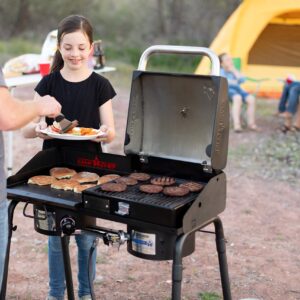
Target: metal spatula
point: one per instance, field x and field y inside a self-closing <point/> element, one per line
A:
<point x="65" y="124"/>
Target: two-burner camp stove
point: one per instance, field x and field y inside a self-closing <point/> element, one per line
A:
<point x="177" y="126"/>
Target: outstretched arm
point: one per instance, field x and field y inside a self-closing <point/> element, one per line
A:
<point x="15" y="113"/>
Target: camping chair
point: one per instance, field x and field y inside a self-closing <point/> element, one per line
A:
<point x="237" y="63"/>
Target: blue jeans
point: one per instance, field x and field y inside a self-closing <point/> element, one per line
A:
<point x="3" y="235"/>
<point x="288" y="100"/>
<point x="56" y="266"/>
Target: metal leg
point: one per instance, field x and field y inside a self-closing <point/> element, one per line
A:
<point x="177" y="267"/>
<point x="67" y="266"/>
<point x="11" y="228"/>
<point x="221" y="248"/>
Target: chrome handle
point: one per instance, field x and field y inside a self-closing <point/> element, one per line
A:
<point x="170" y="49"/>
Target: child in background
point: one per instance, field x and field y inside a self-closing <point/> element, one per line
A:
<point x="237" y="95"/>
<point x="86" y="97"/>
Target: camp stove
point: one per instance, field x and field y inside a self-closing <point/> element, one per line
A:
<point x="177" y="126"/>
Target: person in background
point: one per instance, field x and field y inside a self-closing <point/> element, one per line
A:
<point x="84" y="96"/>
<point x="288" y="106"/>
<point x="237" y="95"/>
<point x="14" y="114"/>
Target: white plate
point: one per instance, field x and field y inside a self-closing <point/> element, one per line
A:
<point x="68" y="136"/>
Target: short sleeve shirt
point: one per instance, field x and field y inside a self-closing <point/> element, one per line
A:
<point x="79" y="100"/>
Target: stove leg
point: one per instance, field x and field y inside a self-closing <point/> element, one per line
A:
<point x="221" y="248"/>
<point x="10" y="214"/>
<point x="67" y="266"/>
<point x="177" y="267"/>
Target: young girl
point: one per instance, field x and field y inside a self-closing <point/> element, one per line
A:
<point x="237" y="95"/>
<point x="86" y="97"/>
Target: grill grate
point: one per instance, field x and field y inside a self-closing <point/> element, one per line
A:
<point x="133" y="194"/>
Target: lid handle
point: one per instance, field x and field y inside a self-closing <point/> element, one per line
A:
<point x="170" y="49"/>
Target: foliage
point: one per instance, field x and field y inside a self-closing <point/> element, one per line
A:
<point x="209" y="296"/>
<point x="123" y="22"/>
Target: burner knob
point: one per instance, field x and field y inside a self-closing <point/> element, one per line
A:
<point x="67" y="225"/>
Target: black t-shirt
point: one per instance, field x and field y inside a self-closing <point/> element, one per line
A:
<point x="79" y="100"/>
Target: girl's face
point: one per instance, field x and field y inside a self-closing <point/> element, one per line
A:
<point x="226" y="62"/>
<point x="75" y="49"/>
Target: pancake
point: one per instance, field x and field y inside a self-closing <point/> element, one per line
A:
<point x="41" y="180"/>
<point x="81" y="187"/>
<point x="107" y="178"/>
<point x="64" y="184"/>
<point x="62" y="173"/>
<point x="86" y="177"/>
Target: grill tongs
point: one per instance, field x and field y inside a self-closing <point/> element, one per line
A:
<point x="65" y="124"/>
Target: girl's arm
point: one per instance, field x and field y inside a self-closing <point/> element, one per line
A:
<point x="107" y="121"/>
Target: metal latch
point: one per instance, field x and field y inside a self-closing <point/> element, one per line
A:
<point x="143" y="158"/>
<point x="206" y="167"/>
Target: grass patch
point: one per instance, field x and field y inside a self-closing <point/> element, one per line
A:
<point x="209" y="296"/>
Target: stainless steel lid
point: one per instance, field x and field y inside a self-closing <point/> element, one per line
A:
<point x="182" y="117"/>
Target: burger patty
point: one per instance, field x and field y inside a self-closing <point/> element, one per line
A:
<point x="62" y="173"/>
<point x="113" y="187"/>
<point x="163" y="181"/>
<point x="107" y="178"/>
<point x="151" y="188"/>
<point x="86" y="177"/>
<point x="140" y="176"/>
<point x="192" y="186"/>
<point x="126" y="180"/>
<point x="175" y="191"/>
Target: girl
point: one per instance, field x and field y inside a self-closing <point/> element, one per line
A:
<point x="86" y="97"/>
<point x="237" y="95"/>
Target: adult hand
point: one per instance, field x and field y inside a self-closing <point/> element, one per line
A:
<point x="48" y="106"/>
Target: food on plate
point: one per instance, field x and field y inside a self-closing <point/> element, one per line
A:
<point x="80" y="131"/>
<point x="151" y="188"/>
<point x="86" y="177"/>
<point x="140" y="176"/>
<point x="163" y="180"/>
<point x="175" y="191"/>
<point x="192" y="186"/>
<point x="113" y="187"/>
<point x="64" y="184"/>
<point x="108" y="178"/>
<point x="62" y="173"/>
<point x="126" y="180"/>
<point x="41" y="180"/>
<point x="81" y="187"/>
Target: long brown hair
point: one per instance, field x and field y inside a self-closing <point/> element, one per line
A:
<point x="70" y="24"/>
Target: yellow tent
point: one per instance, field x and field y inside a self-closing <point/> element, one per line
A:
<point x="263" y="36"/>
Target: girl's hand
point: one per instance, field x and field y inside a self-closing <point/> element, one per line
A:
<point x="103" y="133"/>
<point x="40" y="126"/>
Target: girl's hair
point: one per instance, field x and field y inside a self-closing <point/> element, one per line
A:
<point x="70" y="24"/>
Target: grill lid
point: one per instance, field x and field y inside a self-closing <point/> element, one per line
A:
<point x="179" y="116"/>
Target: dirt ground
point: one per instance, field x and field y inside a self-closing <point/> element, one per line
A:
<point x="261" y="224"/>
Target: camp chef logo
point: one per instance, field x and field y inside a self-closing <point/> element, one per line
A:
<point x="96" y="163"/>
